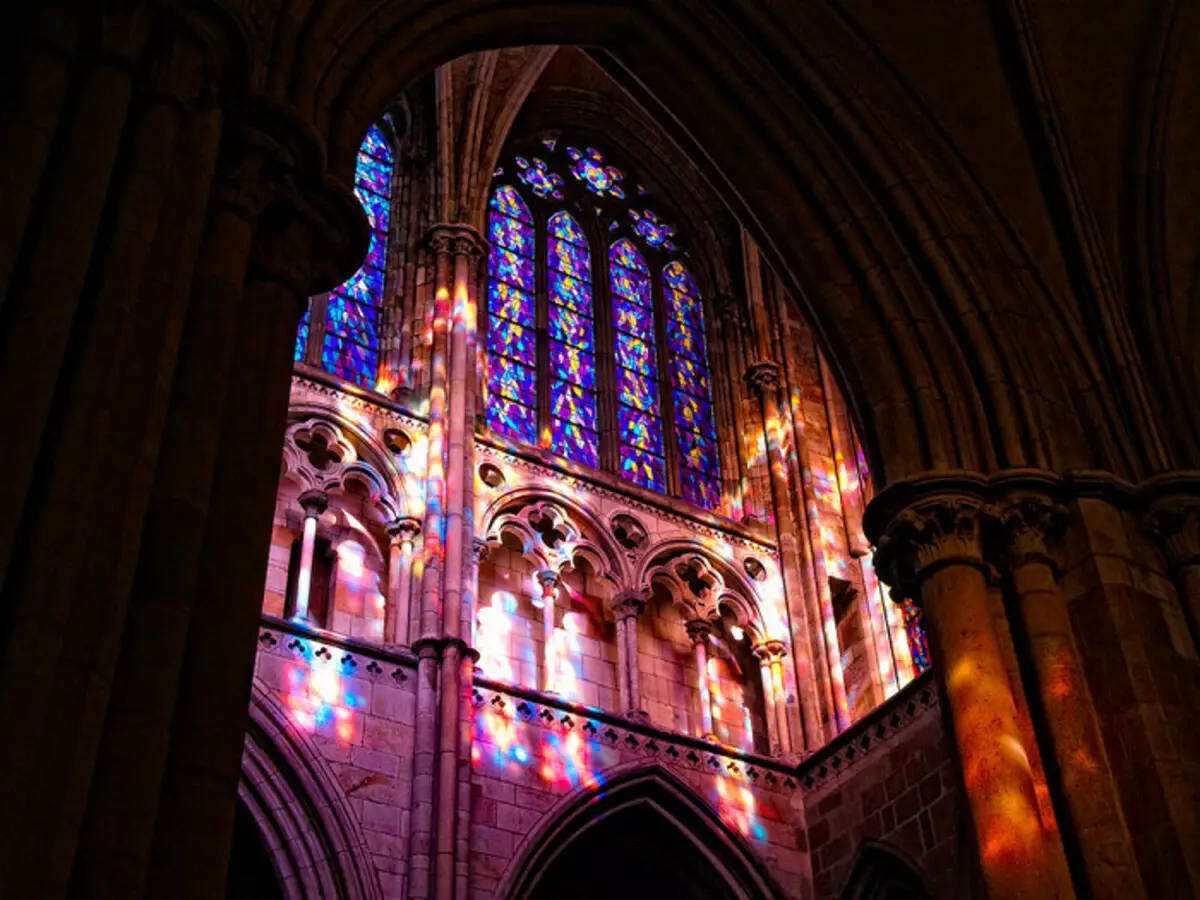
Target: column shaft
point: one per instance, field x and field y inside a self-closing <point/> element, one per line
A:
<point x="631" y="653"/>
<point x="768" y="686"/>
<point x="623" y="663"/>
<point x="784" y="732"/>
<point x="700" y="652"/>
<point x="308" y="543"/>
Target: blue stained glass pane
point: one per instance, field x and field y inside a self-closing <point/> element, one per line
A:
<point x="630" y="285"/>
<point x="697" y="452"/>
<point x="513" y="341"/>
<point x="638" y="392"/>
<point x="573" y="365"/>
<point x="700" y="490"/>
<point x="508" y="200"/>
<point x="693" y="414"/>
<point x="570" y="260"/>
<point x="350" y="361"/>
<point x="301" y="340"/>
<point x="535" y="173"/>
<point x="633" y="320"/>
<point x="573" y="404"/>
<point x="643" y="468"/>
<point x="508" y="302"/>
<point x="512" y="419"/>
<point x="375" y="144"/>
<point x="691" y="376"/>
<point x="511" y="380"/>
<point x="564" y="227"/>
<point x="508" y="266"/>
<point x="571" y="292"/>
<point x="347" y="318"/>
<point x="653" y="230"/>
<point x="571" y="328"/>
<point x="505" y="231"/>
<point x="623" y="253"/>
<point x="365" y="286"/>
<point x="677" y="278"/>
<point x="636" y="355"/>
<point x="374" y="175"/>
<point x="685" y="341"/>
<point x="377" y="251"/>
<point x="686" y="309"/>
<point x="377" y="208"/>
<point x="575" y="443"/>
<point x="588" y="166"/>
<point x="640" y="430"/>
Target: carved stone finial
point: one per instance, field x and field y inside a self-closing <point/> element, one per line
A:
<point x="933" y="532"/>
<point x="1174" y="521"/>
<point x="629" y="603"/>
<point x="764" y="375"/>
<point x="1028" y="524"/>
<point x="404" y="530"/>
<point x="314" y="502"/>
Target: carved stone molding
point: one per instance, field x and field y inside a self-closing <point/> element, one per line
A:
<point x="404" y="530"/>
<point x="1027" y="526"/>
<point x="629" y="604"/>
<point x="768" y="652"/>
<point x="935" y="531"/>
<point x="1175" y="523"/>
<point x="764" y="375"/>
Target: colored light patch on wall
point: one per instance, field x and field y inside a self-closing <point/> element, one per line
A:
<point x="354" y="321"/>
<point x="573" y="365"/>
<point x="635" y="354"/>
<point x="573" y="404"/>
<point x="560" y="757"/>
<point x="508" y="266"/>
<point x="692" y="414"/>
<point x="685" y="341"/>
<point x="575" y="443"/>
<point x="510" y="303"/>
<point x="638" y="392"/>
<point x="639" y="430"/>
<point x="508" y="200"/>
<point x="535" y="173"/>
<point x="512" y="380"/>
<point x="564" y="227"/>
<point x="505" y="231"/>
<point x="571" y="328"/>
<point x="633" y="320"/>
<point x="643" y="468"/>
<point x="509" y="339"/>
<point x="571" y="293"/>
<point x="570" y="260"/>
<point x="511" y="419"/>
<point x="348" y="360"/>
<point x="691" y="376"/>
<point x="320" y="701"/>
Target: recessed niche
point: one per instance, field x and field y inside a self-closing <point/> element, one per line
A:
<point x="396" y="441"/>
<point x="491" y="475"/>
<point x="628" y="531"/>
<point x="754" y="568"/>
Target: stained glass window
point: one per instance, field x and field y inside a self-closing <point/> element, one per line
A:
<point x="652" y="230"/>
<point x="691" y="393"/>
<point x="918" y="644"/>
<point x="574" y="432"/>
<point x="512" y="340"/>
<point x="639" y="426"/>
<point x="302" y="335"/>
<point x="352" y="313"/>
<point x="535" y="173"/>
<point x="588" y="166"/>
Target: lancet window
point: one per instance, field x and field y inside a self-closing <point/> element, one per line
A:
<point x="596" y="334"/>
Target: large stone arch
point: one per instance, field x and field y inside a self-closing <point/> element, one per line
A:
<point x="316" y="843"/>
<point x="623" y="788"/>
<point x="916" y="286"/>
<point x="882" y="872"/>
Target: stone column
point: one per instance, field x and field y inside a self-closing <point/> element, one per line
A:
<point x="770" y="654"/>
<point x="549" y="581"/>
<point x="815" y="661"/>
<point x="1174" y="520"/>
<point x="403" y="532"/>
<point x="314" y="503"/>
<point x="699" y="630"/>
<point x="627" y="606"/>
<point x="1027" y="521"/>
<point x="931" y="549"/>
<point x="763" y="654"/>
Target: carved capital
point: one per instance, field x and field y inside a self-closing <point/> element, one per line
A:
<point x="768" y="652"/>
<point x="481" y="549"/>
<point x="456" y="238"/>
<point x="1027" y="523"/>
<point x="314" y="502"/>
<point x="629" y="604"/>
<point x="404" y="530"/>
<point x="764" y="375"/>
<point x="932" y="532"/>
<point x="698" y="629"/>
<point x="549" y="580"/>
<point x="1174" y="522"/>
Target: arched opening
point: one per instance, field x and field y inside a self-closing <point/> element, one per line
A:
<point x="881" y="874"/>
<point x="656" y="840"/>
<point x="251" y="875"/>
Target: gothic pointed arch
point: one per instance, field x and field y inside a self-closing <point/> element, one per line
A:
<point x="656" y="836"/>
<point x="315" y="841"/>
<point x="881" y="872"/>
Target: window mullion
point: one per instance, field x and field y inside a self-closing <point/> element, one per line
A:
<point x="317" y="314"/>
<point x="542" y="305"/>
<point x="665" y="400"/>
<point x="606" y="361"/>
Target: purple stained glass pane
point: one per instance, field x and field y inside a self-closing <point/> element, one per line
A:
<point x="350" y="361"/>
<point x="376" y="251"/>
<point x="508" y="200"/>
<point x="693" y="414"/>
<point x="571" y="328"/>
<point x="512" y="419"/>
<point x="564" y="227"/>
<point x="573" y="365"/>
<point x="697" y="452"/>
<point x="652" y="230"/>
<point x="359" y="322"/>
<point x="508" y="302"/>
<point x="640" y="430"/>
<point x="376" y="145"/>
<point x="687" y="309"/>
<point x="633" y="320"/>
<point x="623" y="253"/>
<point x="575" y="443"/>
<point x="685" y="341"/>
<point x="701" y="490"/>
<point x="636" y="355"/>
<point x="643" y="468"/>
<point x="365" y="286"/>
<point x="630" y="285"/>
<point x="691" y="376"/>
<point x="511" y="380"/>
<point x="573" y="404"/>
<point x="376" y="207"/>
<point x="570" y="260"/>
<point x="571" y="292"/>
<point x="638" y="392"/>
<point x="677" y="278"/>
<point x="535" y="173"/>
<point x="301" y="340"/>
<point x="588" y="166"/>
<point x="508" y="266"/>
<point x="505" y="231"/>
<point x="513" y="341"/>
<point x="374" y="175"/>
